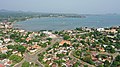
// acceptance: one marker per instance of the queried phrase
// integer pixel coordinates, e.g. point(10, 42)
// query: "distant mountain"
point(19, 11)
point(3, 10)
point(8, 13)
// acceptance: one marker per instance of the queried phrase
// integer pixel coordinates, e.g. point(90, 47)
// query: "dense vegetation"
point(15, 58)
point(116, 62)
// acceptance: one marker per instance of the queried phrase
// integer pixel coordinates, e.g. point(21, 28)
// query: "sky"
point(63, 6)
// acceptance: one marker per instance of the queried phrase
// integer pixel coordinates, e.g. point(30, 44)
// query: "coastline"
point(58, 24)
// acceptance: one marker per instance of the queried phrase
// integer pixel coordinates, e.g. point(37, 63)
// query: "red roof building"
point(1, 65)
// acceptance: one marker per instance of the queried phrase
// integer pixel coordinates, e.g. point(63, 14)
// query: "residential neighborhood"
point(81, 47)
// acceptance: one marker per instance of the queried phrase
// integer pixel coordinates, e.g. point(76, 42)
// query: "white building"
point(100, 29)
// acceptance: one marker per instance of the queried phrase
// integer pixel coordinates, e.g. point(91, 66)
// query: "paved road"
point(33, 57)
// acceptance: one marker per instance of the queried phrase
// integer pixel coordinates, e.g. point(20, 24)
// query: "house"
point(28, 39)
point(102, 49)
point(33, 48)
point(3, 49)
point(6, 26)
point(19, 54)
point(48, 62)
point(1, 42)
point(1, 27)
point(36, 46)
point(47, 32)
point(14, 52)
point(25, 45)
point(110, 36)
point(8, 63)
point(93, 55)
point(1, 65)
point(52, 36)
point(69, 63)
point(6, 40)
point(44, 59)
point(65, 41)
point(54, 65)
point(111, 30)
point(30, 49)
point(5, 63)
point(105, 45)
point(21, 31)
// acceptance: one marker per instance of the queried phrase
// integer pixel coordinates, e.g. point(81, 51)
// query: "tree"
point(65, 45)
point(78, 53)
point(10, 47)
point(66, 37)
point(116, 62)
point(21, 48)
point(12, 36)
point(118, 58)
point(106, 39)
point(88, 59)
point(110, 49)
point(94, 45)
point(85, 65)
point(56, 32)
point(117, 45)
point(60, 55)
point(15, 58)
point(106, 63)
point(75, 65)
point(82, 41)
point(56, 45)
point(49, 39)
point(49, 43)
point(40, 58)
point(59, 62)
point(76, 45)
point(44, 45)
point(42, 35)
point(79, 29)
point(100, 66)
point(26, 64)
point(83, 36)
point(3, 56)
point(9, 53)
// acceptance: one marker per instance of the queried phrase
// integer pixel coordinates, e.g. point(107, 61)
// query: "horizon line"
point(60, 12)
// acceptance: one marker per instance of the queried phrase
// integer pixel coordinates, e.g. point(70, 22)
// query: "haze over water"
point(37, 24)
point(63, 6)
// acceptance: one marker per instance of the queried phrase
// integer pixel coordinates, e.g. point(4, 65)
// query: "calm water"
point(37, 24)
